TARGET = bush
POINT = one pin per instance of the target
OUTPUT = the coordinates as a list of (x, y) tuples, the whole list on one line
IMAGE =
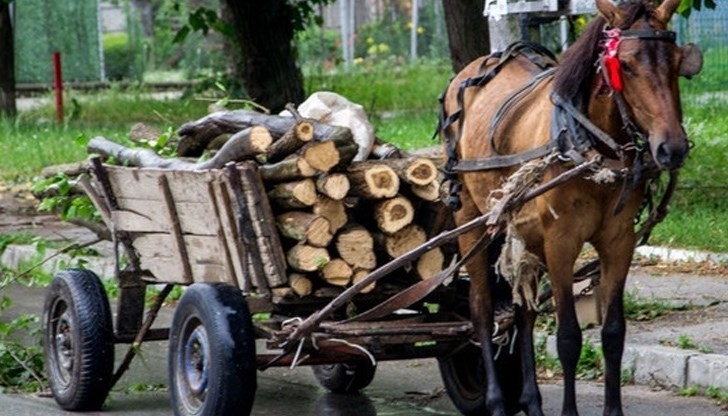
[(118, 57)]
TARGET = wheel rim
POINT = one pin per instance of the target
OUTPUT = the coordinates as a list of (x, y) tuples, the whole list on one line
[(60, 341), (192, 370), (469, 383)]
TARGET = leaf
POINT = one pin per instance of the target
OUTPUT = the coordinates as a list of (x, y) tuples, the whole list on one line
[(181, 34)]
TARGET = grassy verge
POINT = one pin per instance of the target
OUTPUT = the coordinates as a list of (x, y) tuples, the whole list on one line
[(401, 102)]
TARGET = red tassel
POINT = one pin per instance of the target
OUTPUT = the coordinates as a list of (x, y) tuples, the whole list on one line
[(614, 72)]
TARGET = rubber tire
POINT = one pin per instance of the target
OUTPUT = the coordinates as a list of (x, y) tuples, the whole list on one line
[(346, 378), (212, 319), (78, 340), (463, 375)]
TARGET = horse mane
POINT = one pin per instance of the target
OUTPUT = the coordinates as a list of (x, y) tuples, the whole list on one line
[(575, 74)]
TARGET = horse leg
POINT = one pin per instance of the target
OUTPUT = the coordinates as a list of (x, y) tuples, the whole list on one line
[(481, 306), (615, 259), (560, 262), (530, 399)]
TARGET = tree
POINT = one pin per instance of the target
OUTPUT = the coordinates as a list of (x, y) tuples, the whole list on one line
[(7, 61), (467, 31)]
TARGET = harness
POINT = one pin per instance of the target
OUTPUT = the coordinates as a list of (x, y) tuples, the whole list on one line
[(572, 133)]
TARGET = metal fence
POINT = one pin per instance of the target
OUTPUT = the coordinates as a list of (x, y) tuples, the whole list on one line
[(709, 30)]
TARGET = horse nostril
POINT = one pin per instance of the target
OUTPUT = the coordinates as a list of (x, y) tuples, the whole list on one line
[(670, 158)]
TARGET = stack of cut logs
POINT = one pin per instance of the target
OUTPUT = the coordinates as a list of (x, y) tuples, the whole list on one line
[(337, 219)]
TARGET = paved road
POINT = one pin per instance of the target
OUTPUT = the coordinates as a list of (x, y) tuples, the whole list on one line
[(404, 388)]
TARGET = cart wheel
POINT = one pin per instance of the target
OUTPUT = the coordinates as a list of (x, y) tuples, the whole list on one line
[(345, 377), (78, 340), (212, 363), (463, 375)]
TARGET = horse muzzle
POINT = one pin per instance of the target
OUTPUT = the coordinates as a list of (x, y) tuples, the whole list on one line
[(671, 154)]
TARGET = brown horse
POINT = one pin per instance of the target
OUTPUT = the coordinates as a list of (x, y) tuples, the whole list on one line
[(614, 94)]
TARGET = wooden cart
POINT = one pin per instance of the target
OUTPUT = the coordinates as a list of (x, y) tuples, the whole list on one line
[(211, 231)]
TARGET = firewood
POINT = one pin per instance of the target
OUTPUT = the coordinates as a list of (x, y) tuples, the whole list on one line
[(289, 169), (430, 263), (372, 180), (404, 240), (328, 154), (356, 246), (305, 227), (383, 150), (294, 195), (359, 275), (333, 185), (429, 192), (306, 258), (300, 134), (196, 135), (417, 171), (333, 210), (243, 145), (393, 214), (337, 272), (300, 284)]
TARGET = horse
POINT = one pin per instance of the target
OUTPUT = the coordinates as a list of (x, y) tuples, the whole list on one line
[(614, 96)]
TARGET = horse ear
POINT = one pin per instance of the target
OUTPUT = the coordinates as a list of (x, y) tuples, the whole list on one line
[(692, 60), (666, 9), (609, 11)]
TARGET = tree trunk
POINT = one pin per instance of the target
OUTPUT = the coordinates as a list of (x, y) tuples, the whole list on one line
[(7, 63), (264, 33), (467, 31)]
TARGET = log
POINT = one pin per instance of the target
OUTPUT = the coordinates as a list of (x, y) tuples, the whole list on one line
[(306, 258), (326, 155), (300, 134), (430, 263), (384, 150), (305, 227), (404, 240), (294, 195), (333, 185), (372, 180), (300, 284), (429, 192), (196, 135), (243, 145), (359, 275), (337, 272), (356, 246), (291, 169), (416, 171), (394, 214), (333, 210)]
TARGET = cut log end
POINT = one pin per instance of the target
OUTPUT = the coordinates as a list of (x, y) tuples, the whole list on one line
[(361, 274), (306, 258), (356, 246), (430, 263), (337, 272), (300, 284), (394, 214)]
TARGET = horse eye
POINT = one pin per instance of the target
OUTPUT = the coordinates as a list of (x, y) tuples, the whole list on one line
[(626, 68)]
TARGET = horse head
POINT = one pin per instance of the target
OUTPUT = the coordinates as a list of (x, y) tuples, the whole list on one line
[(642, 62)]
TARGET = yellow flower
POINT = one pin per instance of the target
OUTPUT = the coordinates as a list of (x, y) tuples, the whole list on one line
[(370, 40), (383, 48), (420, 30)]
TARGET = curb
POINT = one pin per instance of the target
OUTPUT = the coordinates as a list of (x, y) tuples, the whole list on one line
[(678, 254)]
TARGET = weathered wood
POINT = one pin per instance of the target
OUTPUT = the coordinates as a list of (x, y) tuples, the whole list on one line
[(196, 135), (306, 258), (372, 180), (324, 156), (359, 275), (287, 170), (356, 246), (333, 185), (243, 145), (305, 227), (300, 284), (384, 150), (333, 210), (430, 263), (393, 214), (174, 229), (337, 272), (414, 170), (239, 255), (293, 195), (404, 240), (297, 136), (266, 233)]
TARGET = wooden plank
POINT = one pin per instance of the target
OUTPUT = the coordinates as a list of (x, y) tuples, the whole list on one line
[(232, 239), (140, 215), (174, 228), (141, 183), (158, 256), (229, 271)]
